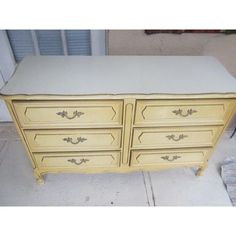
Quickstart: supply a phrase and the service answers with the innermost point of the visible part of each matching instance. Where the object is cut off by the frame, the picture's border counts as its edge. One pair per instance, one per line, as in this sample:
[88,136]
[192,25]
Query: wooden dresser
[119,114]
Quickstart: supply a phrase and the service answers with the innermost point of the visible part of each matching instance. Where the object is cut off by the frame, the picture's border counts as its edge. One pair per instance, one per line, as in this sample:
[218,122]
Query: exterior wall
[136,42]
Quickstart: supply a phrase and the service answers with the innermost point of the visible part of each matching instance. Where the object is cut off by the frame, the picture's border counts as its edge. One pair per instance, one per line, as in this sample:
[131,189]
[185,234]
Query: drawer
[79,160]
[69,113]
[183,112]
[73,140]
[175,137]
[168,157]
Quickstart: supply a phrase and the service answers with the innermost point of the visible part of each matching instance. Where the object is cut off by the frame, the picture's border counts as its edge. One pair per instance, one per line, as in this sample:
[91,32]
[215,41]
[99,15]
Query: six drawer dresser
[119,113]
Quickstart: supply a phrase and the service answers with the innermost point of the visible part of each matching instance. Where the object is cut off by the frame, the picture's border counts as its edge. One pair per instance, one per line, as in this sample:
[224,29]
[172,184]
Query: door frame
[7,68]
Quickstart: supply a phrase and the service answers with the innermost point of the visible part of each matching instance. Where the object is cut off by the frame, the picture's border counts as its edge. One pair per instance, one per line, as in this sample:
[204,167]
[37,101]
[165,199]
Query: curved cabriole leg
[200,170]
[39,177]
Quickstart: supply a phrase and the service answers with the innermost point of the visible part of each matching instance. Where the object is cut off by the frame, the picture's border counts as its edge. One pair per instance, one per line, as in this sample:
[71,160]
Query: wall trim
[98,42]
[7,60]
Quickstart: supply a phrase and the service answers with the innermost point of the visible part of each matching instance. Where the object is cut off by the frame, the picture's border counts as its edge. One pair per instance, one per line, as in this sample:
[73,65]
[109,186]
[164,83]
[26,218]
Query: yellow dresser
[119,114]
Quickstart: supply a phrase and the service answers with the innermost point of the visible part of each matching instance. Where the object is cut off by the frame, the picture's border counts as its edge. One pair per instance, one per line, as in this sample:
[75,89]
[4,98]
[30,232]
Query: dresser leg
[200,170]
[39,177]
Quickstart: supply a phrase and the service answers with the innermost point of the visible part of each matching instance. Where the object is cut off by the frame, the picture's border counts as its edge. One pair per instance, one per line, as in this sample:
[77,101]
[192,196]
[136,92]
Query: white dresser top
[88,75]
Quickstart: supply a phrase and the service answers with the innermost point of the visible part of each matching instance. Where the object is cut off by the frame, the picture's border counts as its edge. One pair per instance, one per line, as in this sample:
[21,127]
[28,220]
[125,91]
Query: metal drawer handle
[180,112]
[70,140]
[172,137]
[167,158]
[65,114]
[78,163]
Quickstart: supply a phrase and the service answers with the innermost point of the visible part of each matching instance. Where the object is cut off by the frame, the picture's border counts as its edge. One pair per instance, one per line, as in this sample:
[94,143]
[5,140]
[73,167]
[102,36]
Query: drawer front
[182,112]
[78,160]
[73,140]
[175,137]
[168,157]
[69,113]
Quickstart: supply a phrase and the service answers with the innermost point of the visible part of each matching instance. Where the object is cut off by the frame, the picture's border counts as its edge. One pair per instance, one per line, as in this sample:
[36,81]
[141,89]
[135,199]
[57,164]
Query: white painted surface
[120,75]
[64,44]
[35,42]
[7,61]
[98,42]
[7,67]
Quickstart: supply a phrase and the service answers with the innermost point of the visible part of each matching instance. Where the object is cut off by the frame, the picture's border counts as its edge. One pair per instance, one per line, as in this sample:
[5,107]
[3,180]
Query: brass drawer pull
[78,163]
[180,112]
[65,114]
[167,158]
[70,140]
[172,137]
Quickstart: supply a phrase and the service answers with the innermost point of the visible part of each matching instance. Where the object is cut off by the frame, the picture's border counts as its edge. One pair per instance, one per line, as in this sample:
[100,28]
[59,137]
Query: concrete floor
[176,187]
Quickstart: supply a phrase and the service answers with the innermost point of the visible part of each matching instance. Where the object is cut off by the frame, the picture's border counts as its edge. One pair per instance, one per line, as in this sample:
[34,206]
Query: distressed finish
[119,132]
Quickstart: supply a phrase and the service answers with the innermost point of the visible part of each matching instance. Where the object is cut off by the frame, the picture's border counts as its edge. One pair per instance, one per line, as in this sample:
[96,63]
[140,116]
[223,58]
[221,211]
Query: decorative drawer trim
[47,114]
[169,157]
[68,160]
[73,140]
[175,137]
[182,112]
